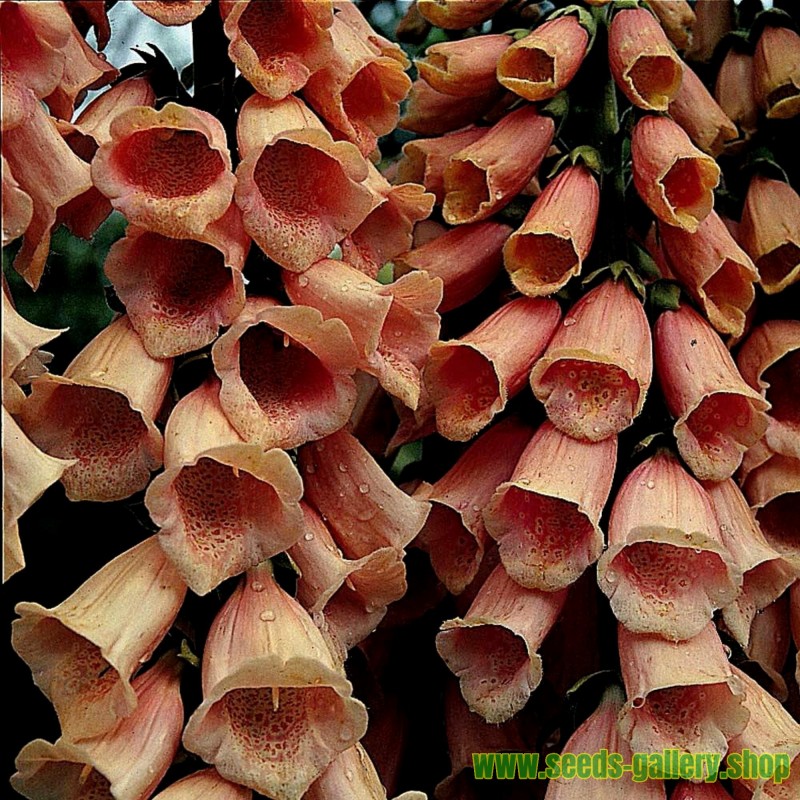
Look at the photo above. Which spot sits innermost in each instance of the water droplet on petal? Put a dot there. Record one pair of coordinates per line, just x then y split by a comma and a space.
309, 536
363, 488
267, 616
257, 586
342, 467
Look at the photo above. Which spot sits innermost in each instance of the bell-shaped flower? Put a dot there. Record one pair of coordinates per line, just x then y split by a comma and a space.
776, 72
84, 651
677, 19
464, 67
172, 12
206, 784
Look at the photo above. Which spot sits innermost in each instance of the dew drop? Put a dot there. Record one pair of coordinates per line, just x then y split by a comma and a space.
342, 467
363, 488
569, 322
267, 616
309, 536
651, 485
257, 586
303, 280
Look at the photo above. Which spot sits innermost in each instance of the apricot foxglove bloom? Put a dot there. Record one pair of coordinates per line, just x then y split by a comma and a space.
101, 413
471, 379
457, 14
713, 20
546, 517
17, 206
734, 91
464, 67
677, 19
205, 785
596, 371
776, 72
493, 649
84, 651
666, 568
172, 12
277, 708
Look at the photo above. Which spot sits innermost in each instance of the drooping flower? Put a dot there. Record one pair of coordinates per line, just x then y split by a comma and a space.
713, 20
101, 413
556, 236
287, 157
277, 708
168, 171
222, 505
666, 568
677, 19
362, 507
172, 12
393, 326
125, 763
594, 376
699, 114
776, 72
470, 380
538, 66
278, 46
546, 517
286, 374
642, 60
347, 598
681, 695
488, 174
454, 535
458, 14
493, 649
84, 652
734, 91
27, 472
769, 643
600, 732
464, 67
206, 785
718, 416
770, 232
714, 270
765, 575
466, 258
673, 177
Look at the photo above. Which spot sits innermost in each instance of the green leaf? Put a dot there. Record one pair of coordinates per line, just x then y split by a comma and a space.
187, 655
644, 263
408, 454
386, 273
665, 295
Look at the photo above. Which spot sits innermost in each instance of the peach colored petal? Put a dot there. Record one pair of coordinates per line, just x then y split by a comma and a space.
600, 732
223, 506
101, 412
466, 258
424, 160
712, 21
765, 574
50, 174
465, 67
168, 171
172, 12
178, 292
17, 207
348, 597
84, 651
279, 45
27, 472
734, 91
769, 643
770, 232
286, 374
673, 177
487, 175
351, 775
546, 517
454, 535
393, 326
89, 13
681, 695
556, 235
431, 113
277, 709
776, 72
718, 416
288, 157
677, 19
204, 785
596, 371
363, 509
126, 763
458, 14
714, 270
472, 378
538, 66
666, 568
698, 113
493, 649
699, 791
642, 61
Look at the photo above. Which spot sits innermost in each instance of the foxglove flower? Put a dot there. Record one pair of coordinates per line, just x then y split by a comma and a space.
718, 415
458, 14
206, 784
277, 708
595, 373
677, 19
642, 61
84, 651
776, 72
734, 91
538, 66
493, 649
471, 379
172, 12
464, 67
546, 517
713, 20
126, 763
286, 374
101, 413
17, 206
666, 568
222, 505
487, 175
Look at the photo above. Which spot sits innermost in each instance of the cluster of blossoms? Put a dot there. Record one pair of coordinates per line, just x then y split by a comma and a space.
439, 295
